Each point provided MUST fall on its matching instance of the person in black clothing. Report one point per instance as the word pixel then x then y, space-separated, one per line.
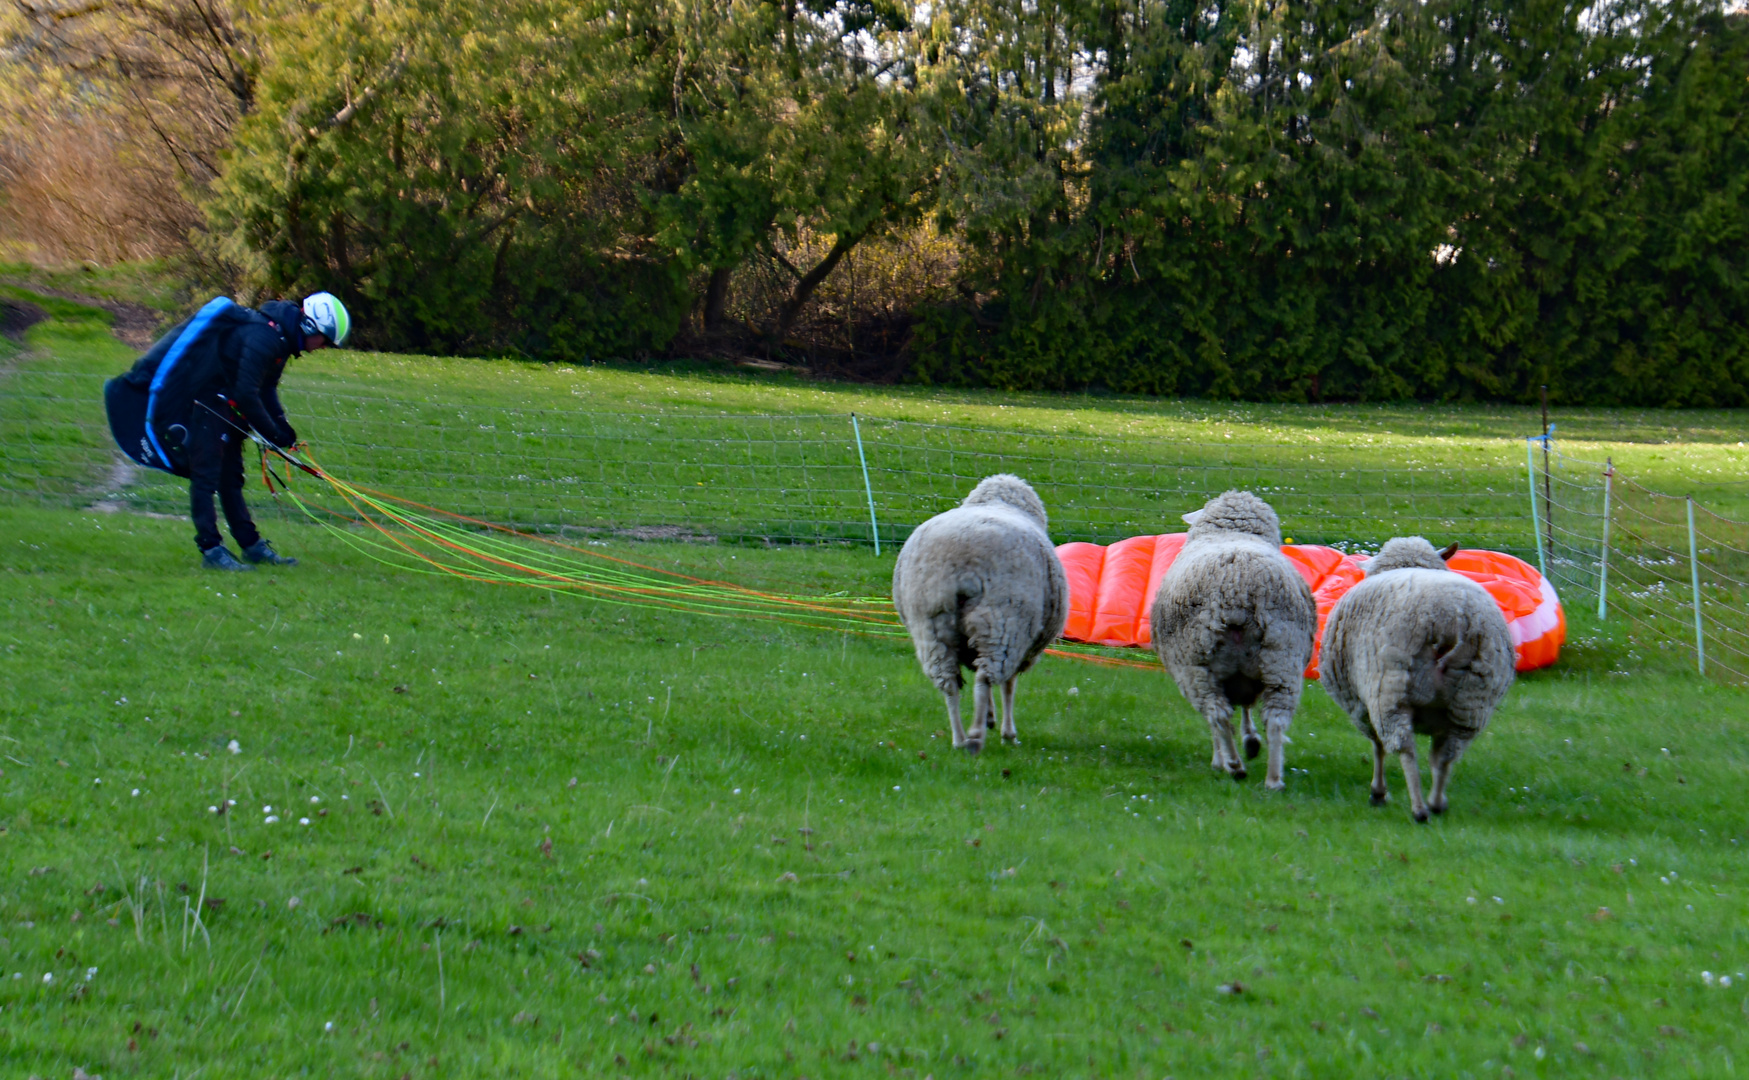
pixel 188 404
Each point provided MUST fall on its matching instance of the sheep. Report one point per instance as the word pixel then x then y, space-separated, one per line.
pixel 1233 622
pixel 981 586
pixel 1417 649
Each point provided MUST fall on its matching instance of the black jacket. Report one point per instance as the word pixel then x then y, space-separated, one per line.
pixel 238 353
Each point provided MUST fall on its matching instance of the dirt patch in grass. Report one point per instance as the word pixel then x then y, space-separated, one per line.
pixel 135 324
pixel 17 316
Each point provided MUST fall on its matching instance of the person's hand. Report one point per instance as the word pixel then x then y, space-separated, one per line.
pixel 288 435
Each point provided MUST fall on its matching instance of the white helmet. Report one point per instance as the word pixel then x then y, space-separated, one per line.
pixel 324 314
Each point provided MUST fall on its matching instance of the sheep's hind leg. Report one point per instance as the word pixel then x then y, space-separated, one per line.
pixel 952 693
pixel 983 712
pixel 1379 793
pixel 1277 726
pixel 1412 777
pixel 1446 751
pixel 1252 743
pixel 1397 733
pixel 1009 734
pixel 1226 752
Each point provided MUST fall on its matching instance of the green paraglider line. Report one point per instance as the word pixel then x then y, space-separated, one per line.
pixel 425 539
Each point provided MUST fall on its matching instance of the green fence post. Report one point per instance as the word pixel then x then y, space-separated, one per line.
pixel 1535 517
pixel 1694 575
pixel 1603 560
pixel 873 526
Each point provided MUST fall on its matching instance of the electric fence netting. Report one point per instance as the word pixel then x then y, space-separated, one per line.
pixel 474 488
pixel 1675 570
pixel 735 477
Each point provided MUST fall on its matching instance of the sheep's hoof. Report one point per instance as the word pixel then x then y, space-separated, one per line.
pixel 1238 773
pixel 1378 798
pixel 989 725
pixel 972 746
pixel 1011 740
pixel 1275 785
pixel 1421 818
pixel 1253 744
pixel 1438 808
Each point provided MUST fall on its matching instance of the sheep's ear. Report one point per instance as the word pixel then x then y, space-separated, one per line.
pixel 1450 550
pixel 1194 516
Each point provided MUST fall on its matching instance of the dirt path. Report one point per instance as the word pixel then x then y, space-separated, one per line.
pixel 17 316
pixel 135 324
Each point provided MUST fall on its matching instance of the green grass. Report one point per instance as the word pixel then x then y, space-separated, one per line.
pixel 157 284
pixel 1026 912
pixel 695 450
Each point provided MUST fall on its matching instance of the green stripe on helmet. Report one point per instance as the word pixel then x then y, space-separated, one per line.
pixel 324 314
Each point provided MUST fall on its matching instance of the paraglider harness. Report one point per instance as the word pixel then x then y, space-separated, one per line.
pixel 150 422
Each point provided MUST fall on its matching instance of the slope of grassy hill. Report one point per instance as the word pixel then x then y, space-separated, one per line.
pixel 475 831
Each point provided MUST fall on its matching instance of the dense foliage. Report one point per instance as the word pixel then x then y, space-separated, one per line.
pixel 1350 200
pixel 1278 199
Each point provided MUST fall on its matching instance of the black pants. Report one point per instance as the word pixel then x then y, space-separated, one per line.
pixel 215 464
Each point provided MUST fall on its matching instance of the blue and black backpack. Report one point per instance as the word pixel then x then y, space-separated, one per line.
pixel 150 407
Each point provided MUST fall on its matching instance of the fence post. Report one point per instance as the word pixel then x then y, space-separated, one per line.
pixel 1548 476
pixel 1536 523
pixel 1694 575
pixel 1603 560
pixel 873 527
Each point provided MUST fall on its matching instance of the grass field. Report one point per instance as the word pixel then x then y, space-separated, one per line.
pixel 549 838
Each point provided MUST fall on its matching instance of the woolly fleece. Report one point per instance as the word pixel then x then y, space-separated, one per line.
pixel 981 586
pixel 1233 622
pixel 1417 649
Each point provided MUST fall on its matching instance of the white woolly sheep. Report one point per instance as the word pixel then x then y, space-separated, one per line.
pixel 1417 649
pixel 981 586
pixel 1233 622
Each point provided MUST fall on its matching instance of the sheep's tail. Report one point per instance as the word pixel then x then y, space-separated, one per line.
pixel 1461 652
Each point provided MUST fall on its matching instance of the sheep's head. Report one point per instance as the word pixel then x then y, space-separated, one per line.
pixel 1408 552
pixel 1009 490
pixel 1235 511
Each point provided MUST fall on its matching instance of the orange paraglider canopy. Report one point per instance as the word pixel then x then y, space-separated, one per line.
pixel 1112 589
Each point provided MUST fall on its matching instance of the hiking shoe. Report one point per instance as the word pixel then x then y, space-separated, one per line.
pixel 261 551
pixel 220 558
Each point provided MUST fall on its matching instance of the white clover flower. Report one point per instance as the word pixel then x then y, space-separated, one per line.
pixel 315 798
pixel 1706 977
pixel 271 819
pixel 329 1026
pixel 737 791
pixel 48 977
pixel 136 792
pixel 1074 691
pixel 895 787
pixel 91 973
pixel 234 747
pixel 212 809
pixel 97 780
pixel 303 821
pixel 358 637
pixel 1724 980
pixel 267 809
